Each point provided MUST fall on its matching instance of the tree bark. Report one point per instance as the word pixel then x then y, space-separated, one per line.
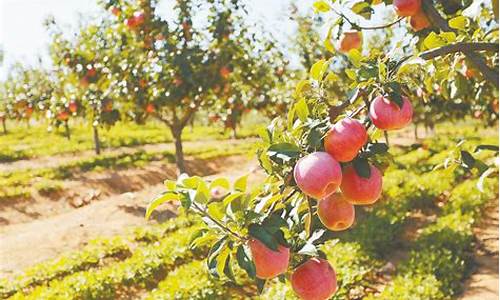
pixel 68 133
pixel 4 126
pixel 97 142
pixel 179 153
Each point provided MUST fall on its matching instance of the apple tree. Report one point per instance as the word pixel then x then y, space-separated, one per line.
pixel 326 152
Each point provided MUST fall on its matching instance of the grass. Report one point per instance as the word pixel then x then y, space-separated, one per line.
pixel 20 184
pixel 24 143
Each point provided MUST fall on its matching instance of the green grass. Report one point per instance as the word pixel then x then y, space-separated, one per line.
pixel 23 143
pixel 20 184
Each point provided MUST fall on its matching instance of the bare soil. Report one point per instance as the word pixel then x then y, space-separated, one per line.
pixel 483 284
pixel 25 244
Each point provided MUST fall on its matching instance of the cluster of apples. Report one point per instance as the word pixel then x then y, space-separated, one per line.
pixel 413 10
pixel 320 175
pixel 404 8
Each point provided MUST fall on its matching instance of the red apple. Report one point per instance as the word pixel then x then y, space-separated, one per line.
pixel 336 213
pixel 419 21
pixel 225 72
pixel 63 116
pixel 359 190
pixel 387 115
pixel 350 40
pixel 344 140
pixel 314 280
pixel 115 11
pixel 91 72
pixel 406 8
pixel 107 106
pixel 269 263
pixel 73 106
pixel 29 111
pixel 139 18
pixel 150 108
pixel 318 175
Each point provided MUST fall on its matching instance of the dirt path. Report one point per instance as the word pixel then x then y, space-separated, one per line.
pixel 483 284
pixel 62 159
pixel 49 237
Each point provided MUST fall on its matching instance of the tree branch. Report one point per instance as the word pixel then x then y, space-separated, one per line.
pixel 356 26
pixel 458 47
pixel 479 62
pixel 219 224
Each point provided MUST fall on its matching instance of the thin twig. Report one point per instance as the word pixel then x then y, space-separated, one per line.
pixel 222 226
pixel 356 26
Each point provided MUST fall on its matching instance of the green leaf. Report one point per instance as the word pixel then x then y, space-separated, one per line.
pixel 171 185
pixel 241 183
pixel 363 9
pixel 362 167
pixel 202 193
pixel 221 260
pixel 355 57
pixel 260 233
pixel 328 41
pixel 351 74
pixel 283 151
pixel 245 262
pixel 302 86
pixel 321 6
pixel 302 110
pixel 228 271
pixel 231 197
pixel 220 182
pixel 376 148
pixel 433 40
pixel 468 160
pixel 486 147
pixel 319 69
pixel 192 182
pixel 158 201
pixel 260 285
pixel 216 210
pixel 459 23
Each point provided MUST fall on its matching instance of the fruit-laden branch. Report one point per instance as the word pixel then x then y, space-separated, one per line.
pixel 458 47
pixel 479 62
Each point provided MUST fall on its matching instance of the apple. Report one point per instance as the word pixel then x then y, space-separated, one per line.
pixel 139 18
pixel 344 140
pixel 350 40
pixel 407 8
pixel 73 106
pixel 91 72
pixel 387 115
pixel 494 105
pixel 63 115
pixel 225 72
pixel 178 81
pixel 107 106
pixel 419 21
pixel 359 190
pixel 142 83
pixel 336 213
pixel 314 280
pixel 115 11
pixel 269 263
pixel 150 108
pixel 318 175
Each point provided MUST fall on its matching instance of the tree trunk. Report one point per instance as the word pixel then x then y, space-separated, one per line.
pixel 179 153
pixel 386 135
pixel 97 142
pixel 4 126
pixel 415 131
pixel 68 133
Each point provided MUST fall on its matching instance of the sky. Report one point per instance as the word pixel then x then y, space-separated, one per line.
pixel 24 38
